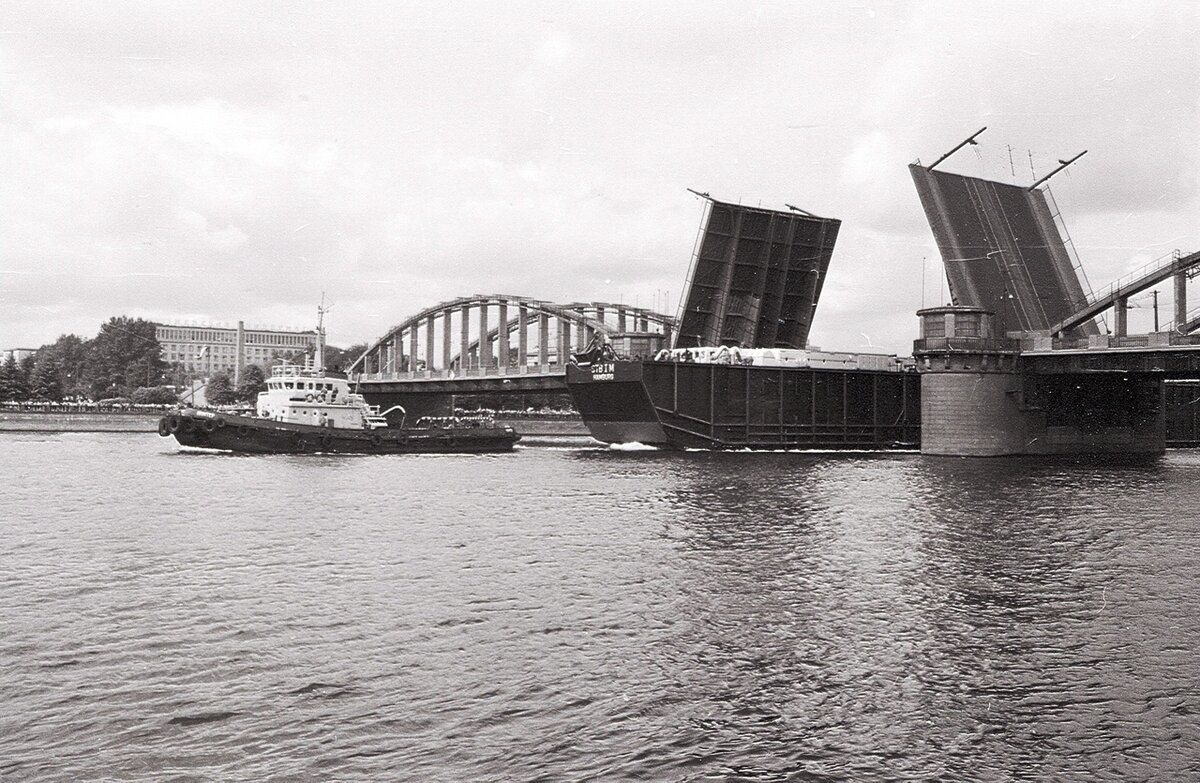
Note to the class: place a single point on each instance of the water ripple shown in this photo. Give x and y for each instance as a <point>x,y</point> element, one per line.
<point>590,614</point>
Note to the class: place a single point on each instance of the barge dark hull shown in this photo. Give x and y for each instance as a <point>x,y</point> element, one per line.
<point>728,406</point>
<point>229,432</point>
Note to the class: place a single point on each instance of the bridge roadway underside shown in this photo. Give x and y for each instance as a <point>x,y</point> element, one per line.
<point>1127,387</point>
<point>436,396</point>
<point>1166,362</point>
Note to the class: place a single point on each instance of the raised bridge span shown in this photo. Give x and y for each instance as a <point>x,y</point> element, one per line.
<point>487,343</point>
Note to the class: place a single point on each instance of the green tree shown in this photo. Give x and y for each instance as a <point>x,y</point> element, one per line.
<point>253,381</point>
<point>123,356</point>
<point>10,380</point>
<point>46,380</point>
<point>219,390</point>
<point>70,354</point>
<point>154,395</point>
<point>339,359</point>
<point>25,369</point>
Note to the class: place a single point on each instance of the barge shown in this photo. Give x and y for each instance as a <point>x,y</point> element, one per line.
<point>765,399</point>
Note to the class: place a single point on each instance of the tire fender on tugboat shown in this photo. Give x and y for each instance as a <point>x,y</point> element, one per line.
<point>164,426</point>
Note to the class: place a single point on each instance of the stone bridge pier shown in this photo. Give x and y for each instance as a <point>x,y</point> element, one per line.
<point>981,397</point>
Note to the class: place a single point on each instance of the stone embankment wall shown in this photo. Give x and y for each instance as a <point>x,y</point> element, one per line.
<point>79,421</point>
<point>555,426</point>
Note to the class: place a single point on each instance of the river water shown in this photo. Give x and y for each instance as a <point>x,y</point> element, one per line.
<point>577,613</point>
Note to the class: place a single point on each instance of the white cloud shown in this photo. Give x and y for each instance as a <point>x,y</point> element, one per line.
<point>396,156</point>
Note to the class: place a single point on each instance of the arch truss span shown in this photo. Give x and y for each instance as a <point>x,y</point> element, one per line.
<point>501,334</point>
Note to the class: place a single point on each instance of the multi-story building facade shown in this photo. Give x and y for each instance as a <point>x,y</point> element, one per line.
<point>204,350</point>
<point>17,354</point>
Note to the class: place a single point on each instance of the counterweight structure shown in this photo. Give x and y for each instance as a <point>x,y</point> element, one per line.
<point>756,278</point>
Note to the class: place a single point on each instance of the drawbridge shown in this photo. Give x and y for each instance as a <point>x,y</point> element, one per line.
<point>1006,249</point>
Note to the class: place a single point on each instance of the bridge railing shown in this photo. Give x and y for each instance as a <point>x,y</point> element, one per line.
<point>1145,270</point>
<point>1102,342</point>
<point>1173,326</point>
<point>973,344</point>
<point>495,371</point>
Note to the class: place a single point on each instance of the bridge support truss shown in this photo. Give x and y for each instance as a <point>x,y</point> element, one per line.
<point>499,335</point>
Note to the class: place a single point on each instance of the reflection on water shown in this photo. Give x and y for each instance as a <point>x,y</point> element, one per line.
<point>579,613</point>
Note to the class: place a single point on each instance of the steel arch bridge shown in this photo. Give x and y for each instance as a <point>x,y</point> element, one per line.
<point>497,335</point>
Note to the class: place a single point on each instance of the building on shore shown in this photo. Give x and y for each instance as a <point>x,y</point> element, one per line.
<point>203,350</point>
<point>16,354</point>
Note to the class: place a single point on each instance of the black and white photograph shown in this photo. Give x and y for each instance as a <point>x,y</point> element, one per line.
<point>772,390</point>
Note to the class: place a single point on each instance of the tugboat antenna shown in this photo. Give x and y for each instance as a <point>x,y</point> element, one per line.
<point>319,359</point>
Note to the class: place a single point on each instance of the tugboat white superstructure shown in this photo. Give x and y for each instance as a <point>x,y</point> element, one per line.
<point>306,410</point>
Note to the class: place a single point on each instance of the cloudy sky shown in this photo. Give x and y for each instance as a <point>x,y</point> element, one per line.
<point>221,161</point>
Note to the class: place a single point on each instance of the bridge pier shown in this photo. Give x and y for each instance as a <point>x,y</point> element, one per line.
<point>979,399</point>
<point>502,340</point>
<point>1121,317</point>
<point>464,358</point>
<point>429,339</point>
<point>446,342</point>
<point>1181,311</point>
<point>412,350</point>
<point>522,338</point>
<point>485,346</point>
<point>544,341</point>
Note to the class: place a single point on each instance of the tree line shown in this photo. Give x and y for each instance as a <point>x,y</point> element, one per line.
<point>123,360</point>
<point>123,357</point>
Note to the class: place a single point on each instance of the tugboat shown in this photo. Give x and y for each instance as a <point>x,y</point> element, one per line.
<point>306,410</point>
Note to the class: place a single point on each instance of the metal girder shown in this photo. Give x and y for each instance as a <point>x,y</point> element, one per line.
<point>1123,290</point>
<point>571,313</point>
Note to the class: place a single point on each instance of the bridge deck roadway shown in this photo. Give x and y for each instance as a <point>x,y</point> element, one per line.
<point>1177,361</point>
<point>553,381</point>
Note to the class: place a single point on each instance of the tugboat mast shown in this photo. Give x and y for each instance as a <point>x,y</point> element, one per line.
<point>319,359</point>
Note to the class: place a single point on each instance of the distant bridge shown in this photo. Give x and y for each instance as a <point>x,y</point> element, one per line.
<point>500,343</point>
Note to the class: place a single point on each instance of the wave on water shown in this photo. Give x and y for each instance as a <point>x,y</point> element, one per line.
<point>575,612</point>
<point>634,446</point>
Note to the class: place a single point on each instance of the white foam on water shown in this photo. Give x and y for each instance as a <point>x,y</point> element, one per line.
<point>634,446</point>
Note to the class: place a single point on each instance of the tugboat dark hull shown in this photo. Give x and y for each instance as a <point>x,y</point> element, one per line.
<point>229,432</point>
<point>729,406</point>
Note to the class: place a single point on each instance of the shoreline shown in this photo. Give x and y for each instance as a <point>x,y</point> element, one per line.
<point>77,421</point>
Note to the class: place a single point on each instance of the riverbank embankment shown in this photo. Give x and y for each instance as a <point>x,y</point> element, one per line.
<point>79,421</point>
